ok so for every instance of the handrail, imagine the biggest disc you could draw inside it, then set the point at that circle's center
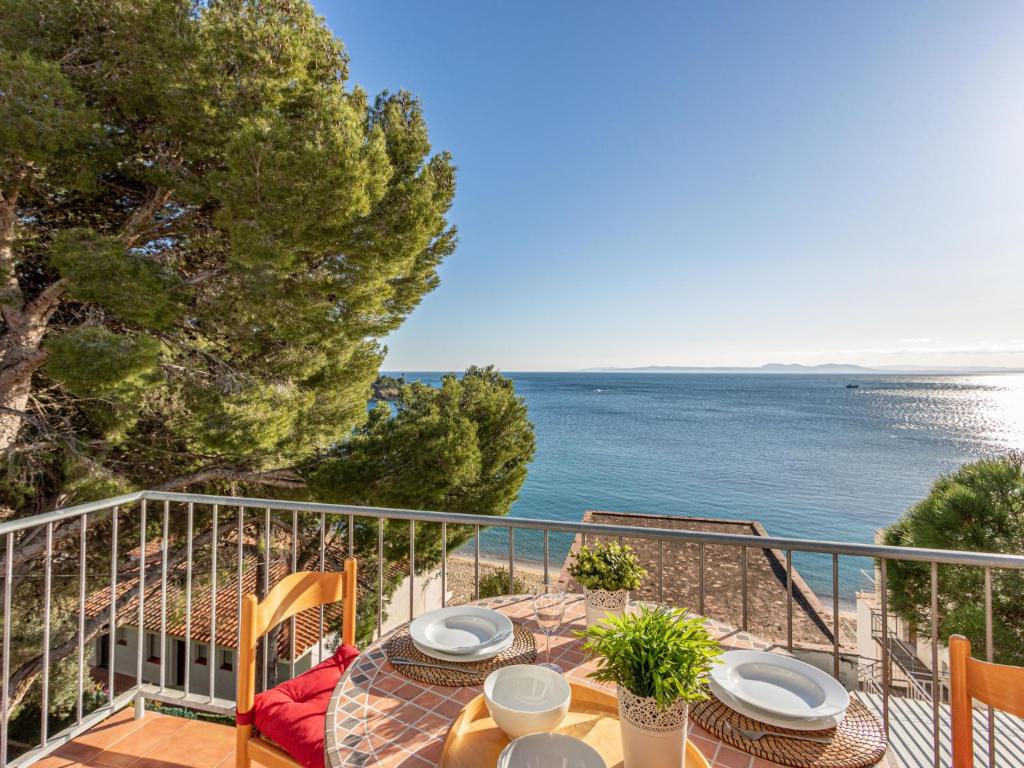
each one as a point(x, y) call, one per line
point(241, 511)
point(950, 557)
point(66, 513)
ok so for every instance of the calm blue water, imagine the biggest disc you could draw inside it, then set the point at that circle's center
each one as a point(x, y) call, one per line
point(802, 454)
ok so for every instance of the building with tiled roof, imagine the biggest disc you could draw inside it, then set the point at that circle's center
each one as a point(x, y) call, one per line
point(188, 643)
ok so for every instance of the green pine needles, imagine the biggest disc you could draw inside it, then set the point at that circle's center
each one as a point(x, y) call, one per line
point(608, 566)
point(657, 652)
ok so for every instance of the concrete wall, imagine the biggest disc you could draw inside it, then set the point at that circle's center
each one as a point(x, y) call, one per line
point(427, 598)
point(823, 660)
point(867, 647)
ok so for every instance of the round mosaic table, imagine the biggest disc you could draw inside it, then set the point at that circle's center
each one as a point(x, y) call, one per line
point(378, 717)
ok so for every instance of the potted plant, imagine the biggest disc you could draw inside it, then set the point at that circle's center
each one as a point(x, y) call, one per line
point(658, 658)
point(607, 572)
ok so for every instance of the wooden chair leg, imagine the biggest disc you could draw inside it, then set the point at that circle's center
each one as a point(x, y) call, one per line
point(242, 735)
point(962, 710)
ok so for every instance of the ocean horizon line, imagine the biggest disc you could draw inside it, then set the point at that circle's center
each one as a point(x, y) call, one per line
point(774, 369)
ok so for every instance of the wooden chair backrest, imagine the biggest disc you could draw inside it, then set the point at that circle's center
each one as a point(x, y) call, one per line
point(998, 685)
point(293, 594)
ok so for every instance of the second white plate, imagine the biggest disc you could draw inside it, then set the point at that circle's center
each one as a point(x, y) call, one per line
point(780, 684)
point(813, 724)
point(482, 655)
point(549, 750)
point(460, 630)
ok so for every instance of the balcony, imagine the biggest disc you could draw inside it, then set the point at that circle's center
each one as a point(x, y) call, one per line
point(131, 605)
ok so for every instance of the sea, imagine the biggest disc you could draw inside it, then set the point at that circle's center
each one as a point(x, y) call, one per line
point(803, 454)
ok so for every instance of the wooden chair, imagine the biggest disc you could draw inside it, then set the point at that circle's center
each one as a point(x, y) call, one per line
point(997, 685)
point(293, 594)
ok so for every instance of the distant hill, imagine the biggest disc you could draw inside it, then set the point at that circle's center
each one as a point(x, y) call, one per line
point(837, 368)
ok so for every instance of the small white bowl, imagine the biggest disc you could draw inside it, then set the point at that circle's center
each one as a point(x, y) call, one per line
point(549, 750)
point(524, 699)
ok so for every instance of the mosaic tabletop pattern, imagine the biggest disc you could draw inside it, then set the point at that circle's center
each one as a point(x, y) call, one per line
point(379, 717)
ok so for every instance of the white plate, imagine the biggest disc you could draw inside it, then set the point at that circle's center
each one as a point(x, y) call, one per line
point(760, 716)
point(461, 629)
point(462, 658)
point(549, 750)
point(780, 685)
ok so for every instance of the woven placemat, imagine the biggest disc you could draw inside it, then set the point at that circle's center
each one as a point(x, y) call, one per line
point(858, 741)
point(400, 646)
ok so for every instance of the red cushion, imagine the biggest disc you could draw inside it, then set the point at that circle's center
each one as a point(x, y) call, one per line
point(294, 713)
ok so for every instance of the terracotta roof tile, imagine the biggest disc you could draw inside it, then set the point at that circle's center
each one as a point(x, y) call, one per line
point(308, 629)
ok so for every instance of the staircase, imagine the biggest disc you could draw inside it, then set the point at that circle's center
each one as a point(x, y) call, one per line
point(915, 675)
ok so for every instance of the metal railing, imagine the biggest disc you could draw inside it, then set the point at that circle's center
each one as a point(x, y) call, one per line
point(914, 673)
point(174, 552)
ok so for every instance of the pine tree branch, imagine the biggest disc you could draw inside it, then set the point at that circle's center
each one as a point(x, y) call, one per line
point(277, 478)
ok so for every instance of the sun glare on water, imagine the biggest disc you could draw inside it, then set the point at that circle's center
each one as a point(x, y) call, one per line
point(1003, 407)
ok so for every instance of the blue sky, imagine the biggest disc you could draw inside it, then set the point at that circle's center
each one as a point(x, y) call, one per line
point(716, 183)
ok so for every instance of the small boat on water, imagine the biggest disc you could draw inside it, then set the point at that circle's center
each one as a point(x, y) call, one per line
point(853, 386)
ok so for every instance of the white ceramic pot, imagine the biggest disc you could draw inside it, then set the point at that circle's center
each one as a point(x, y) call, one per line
point(600, 602)
point(652, 738)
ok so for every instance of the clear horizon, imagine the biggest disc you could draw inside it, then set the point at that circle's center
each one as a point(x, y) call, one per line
point(714, 185)
point(686, 369)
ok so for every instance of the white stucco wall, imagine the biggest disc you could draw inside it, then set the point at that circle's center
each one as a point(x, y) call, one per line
point(126, 663)
point(426, 598)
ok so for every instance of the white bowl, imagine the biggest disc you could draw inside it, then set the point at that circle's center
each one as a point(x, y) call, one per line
point(525, 699)
point(549, 750)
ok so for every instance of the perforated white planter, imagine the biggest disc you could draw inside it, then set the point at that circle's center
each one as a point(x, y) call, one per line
point(600, 602)
point(652, 738)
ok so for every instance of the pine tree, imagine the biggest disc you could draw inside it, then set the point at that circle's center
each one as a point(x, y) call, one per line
point(204, 235)
point(978, 508)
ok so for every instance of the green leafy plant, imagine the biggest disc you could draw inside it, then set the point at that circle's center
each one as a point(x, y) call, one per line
point(657, 652)
point(495, 584)
point(608, 566)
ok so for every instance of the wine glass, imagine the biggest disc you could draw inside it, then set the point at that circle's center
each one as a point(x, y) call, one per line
point(549, 608)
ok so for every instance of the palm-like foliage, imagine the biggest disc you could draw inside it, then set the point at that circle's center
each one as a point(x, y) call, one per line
point(655, 652)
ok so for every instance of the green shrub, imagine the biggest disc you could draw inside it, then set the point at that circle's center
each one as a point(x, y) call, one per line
point(977, 508)
point(655, 652)
point(495, 583)
point(607, 566)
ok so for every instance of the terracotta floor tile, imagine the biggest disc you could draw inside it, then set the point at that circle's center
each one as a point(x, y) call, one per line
point(56, 761)
point(427, 699)
point(414, 762)
point(156, 729)
point(91, 743)
point(431, 751)
point(448, 708)
point(465, 695)
point(197, 745)
point(408, 692)
point(409, 714)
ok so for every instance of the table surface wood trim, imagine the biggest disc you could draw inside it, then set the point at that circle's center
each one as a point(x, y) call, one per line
point(379, 718)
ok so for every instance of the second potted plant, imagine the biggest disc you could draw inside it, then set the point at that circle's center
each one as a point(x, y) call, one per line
point(607, 573)
point(659, 659)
